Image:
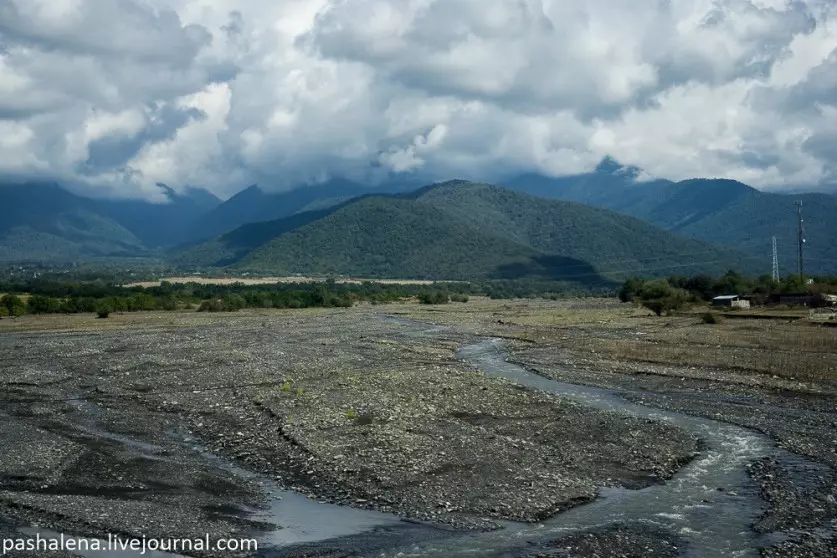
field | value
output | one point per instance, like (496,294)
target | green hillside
(43,222)
(613,242)
(723,212)
(388,237)
(461,230)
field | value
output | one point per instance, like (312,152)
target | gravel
(335,404)
(618,541)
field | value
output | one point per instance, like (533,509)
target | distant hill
(460,230)
(160,224)
(43,222)
(723,212)
(253,204)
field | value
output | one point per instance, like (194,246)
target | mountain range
(459,230)
(723,212)
(600,225)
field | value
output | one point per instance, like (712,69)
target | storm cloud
(118,95)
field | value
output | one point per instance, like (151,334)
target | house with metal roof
(730,301)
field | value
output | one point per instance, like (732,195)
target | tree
(702,285)
(39,304)
(630,289)
(661,298)
(13,304)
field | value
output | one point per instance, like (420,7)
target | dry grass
(788,348)
(794,350)
(274,280)
(128,320)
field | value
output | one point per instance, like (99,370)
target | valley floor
(181,424)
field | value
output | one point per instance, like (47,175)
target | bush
(14,305)
(711,318)
(234,303)
(459,298)
(630,290)
(39,304)
(103,310)
(214,305)
(433,297)
(661,298)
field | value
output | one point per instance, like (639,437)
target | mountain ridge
(493,232)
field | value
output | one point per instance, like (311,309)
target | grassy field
(792,346)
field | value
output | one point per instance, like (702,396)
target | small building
(730,301)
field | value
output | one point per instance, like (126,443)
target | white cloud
(223,93)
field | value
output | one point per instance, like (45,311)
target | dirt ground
(342,405)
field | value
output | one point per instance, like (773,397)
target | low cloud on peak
(123,94)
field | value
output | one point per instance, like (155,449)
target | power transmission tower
(801,240)
(775,262)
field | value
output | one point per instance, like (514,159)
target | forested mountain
(254,204)
(460,230)
(44,222)
(160,224)
(723,212)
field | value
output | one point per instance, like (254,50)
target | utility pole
(801,240)
(775,262)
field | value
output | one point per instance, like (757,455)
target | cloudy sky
(222,93)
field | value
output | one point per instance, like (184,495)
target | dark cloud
(122,94)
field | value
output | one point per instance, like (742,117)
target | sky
(115,96)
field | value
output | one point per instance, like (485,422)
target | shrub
(39,304)
(433,297)
(169,303)
(711,318)
(103,310)
(14,305)
(630,290)
(661,298)
(459,298)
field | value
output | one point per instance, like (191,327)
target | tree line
(51,295)
(663,296)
